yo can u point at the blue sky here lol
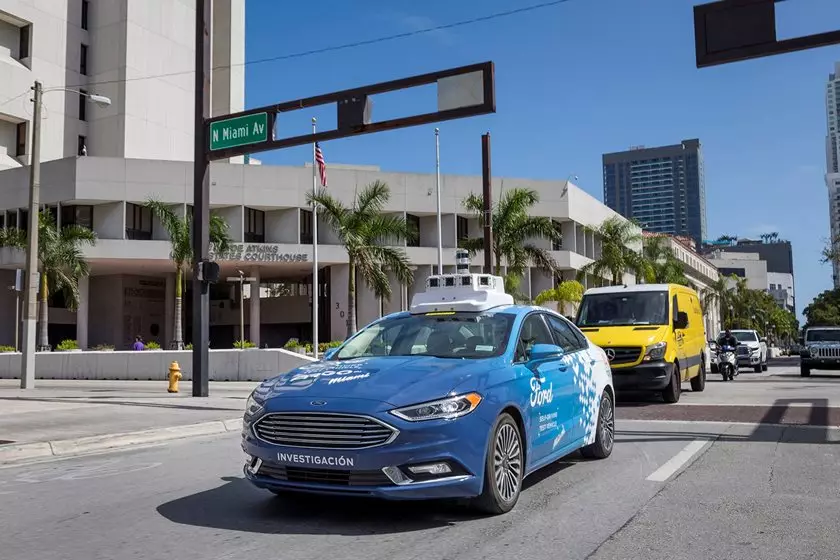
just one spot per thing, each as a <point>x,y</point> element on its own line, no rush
<point>574,81</point>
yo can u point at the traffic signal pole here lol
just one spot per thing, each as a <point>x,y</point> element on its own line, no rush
<point>201,203</point>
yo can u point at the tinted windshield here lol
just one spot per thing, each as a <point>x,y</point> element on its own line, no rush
<point>748,336</point>
<point>626,308</point>
<point>449,335</point>
<point>831,335</point>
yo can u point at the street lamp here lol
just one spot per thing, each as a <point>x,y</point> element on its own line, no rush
<point>241,279</point>
<point>30,302</point>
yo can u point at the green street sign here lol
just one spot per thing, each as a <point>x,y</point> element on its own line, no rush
<point>239,131</point>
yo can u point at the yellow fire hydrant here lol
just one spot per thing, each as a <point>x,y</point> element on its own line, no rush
<point>174,377</point>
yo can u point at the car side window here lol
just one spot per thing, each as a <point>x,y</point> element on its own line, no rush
<point>533,331</point>
<point>564,334</point>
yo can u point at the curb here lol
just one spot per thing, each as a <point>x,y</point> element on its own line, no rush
<point>13,453</point>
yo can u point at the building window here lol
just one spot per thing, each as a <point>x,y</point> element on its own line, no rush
<point>462,228</point>
<point>83,69</point>
<point>11,219</point>
<point>23,47</point>
<point>21,139</point>
<point>82,105</point>
<point>23,220</point>
<point>413,223</point>
<point>306,227</point>
<point>85,7</point>
<point>78,216</point>
<point>82,147</point>
<point>138,222</point>
<point>254,226</point>
<point>557,245</point>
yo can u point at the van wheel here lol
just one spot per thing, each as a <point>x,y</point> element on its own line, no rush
<point>671,393</point>
<point>698,383</point>
<point>504,467</point>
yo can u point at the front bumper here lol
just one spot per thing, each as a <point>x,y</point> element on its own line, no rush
<point>820,363</point>
<point>652,376</point>
<point>380,472</point>
<point>749,360</point>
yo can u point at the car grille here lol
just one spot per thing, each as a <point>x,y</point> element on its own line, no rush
<point>743,350</point>
<point>324,476</point>
<point>825,352</point>
<point>624,354</point>
<point>323,430</point>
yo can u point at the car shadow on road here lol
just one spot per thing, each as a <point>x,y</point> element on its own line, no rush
<point>239,506</point>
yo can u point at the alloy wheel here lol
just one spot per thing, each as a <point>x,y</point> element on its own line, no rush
<point>507,462</point>
<point>607,422</point>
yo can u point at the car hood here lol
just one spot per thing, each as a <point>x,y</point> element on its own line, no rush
<point>632,335</point>
<point>396,380</point>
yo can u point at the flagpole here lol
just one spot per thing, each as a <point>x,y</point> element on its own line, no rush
<point>437,188</point>
<point>316,289</point>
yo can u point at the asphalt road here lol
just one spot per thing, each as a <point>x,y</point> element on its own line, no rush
<point>672,490</point>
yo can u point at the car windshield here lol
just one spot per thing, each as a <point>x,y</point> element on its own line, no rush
<point>745,336</point>
<point>443,335</point>
<point>625,308</point>
<point>827,335</point>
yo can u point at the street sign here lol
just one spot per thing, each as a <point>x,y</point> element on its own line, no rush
<point>239,131</point>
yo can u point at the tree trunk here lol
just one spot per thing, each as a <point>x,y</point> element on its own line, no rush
<point>43,315</point>
<point>351,298</point>
<point>178,342</point>
<point>498,270</point>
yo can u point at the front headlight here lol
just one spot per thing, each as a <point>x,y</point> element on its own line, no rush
<point>655,351</point>
<point>253,406</point>
<point>444,409</point>
<point>755,350</point>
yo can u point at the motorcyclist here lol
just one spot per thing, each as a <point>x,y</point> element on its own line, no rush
<point>726,339</point>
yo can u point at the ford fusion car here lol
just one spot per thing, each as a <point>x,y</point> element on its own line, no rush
<point>463,396</point>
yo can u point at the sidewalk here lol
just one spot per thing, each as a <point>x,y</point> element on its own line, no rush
<point>70,417</point>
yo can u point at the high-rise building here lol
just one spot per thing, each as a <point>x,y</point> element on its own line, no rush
<point>832,159</point>
<point>662,188</point>
<point>114,49</point>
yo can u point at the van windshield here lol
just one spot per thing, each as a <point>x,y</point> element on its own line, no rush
<point>624,308</point>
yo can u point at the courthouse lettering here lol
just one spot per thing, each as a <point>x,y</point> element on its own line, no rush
<point>257,252</point>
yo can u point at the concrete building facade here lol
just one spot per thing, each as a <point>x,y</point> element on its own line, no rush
<point>111,48</point>
<point>131,289</point>
<point>664,188</point>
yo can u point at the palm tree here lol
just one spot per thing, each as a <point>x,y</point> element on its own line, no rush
<point>179,229</point>
<point>363,229</point>
<point>61,262</point>
<point>568,292</point>
<point>660,264</point>
<point>513,231</point>
<point>618,237</point>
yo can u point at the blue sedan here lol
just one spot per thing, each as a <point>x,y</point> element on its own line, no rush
<point>462,396</point>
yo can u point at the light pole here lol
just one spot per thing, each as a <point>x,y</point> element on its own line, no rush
<point>437,189</point>
<point>241,279</point>
<point>30,291</point>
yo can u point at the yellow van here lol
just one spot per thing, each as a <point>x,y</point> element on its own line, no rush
<point>654,336</point>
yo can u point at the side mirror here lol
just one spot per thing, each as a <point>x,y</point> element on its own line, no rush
<point>544,352</point>
<point>330,353</point>
<point>681,320</point>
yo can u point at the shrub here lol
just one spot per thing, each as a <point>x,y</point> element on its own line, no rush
<point>7,349</point>
<point>67,345</point>
<point>242,344</point>
<point>152,345</point>
<point>291,344</point>
<point>188,346</point>
<point>103,347</point>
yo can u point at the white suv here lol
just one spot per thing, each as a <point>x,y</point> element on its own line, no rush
<point>752,349</point>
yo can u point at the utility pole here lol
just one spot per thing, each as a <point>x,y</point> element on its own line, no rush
<point>437,190</point>
<point>201,203</point>
<point>488,203</point>
<point>30,293</point>
<point>242,279</point>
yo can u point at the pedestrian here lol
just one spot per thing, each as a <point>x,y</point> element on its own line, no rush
<point>138,343</point>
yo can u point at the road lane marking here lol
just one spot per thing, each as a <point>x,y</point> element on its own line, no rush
<point>676,462</point>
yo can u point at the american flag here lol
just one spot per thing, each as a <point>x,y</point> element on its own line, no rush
<point>322,166</point>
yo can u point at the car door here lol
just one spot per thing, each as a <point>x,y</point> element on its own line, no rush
<point>550,387</point>
<point>580,363</point>
<point>692,348</point>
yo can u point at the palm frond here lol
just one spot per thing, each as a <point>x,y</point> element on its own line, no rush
<point>373,198</point>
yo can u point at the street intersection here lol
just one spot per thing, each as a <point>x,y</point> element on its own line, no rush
<point>743,470</point>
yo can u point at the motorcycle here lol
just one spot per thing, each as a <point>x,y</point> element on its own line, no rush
<point>727,362</point>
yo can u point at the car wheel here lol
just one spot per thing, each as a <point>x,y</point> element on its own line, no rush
<point>671,393</point>
<point>759,368</point>
<point>764,366</point>
<point>602,447</point>
<point>504,468</point>
<point>698,383</point>
<point>804,371</point>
